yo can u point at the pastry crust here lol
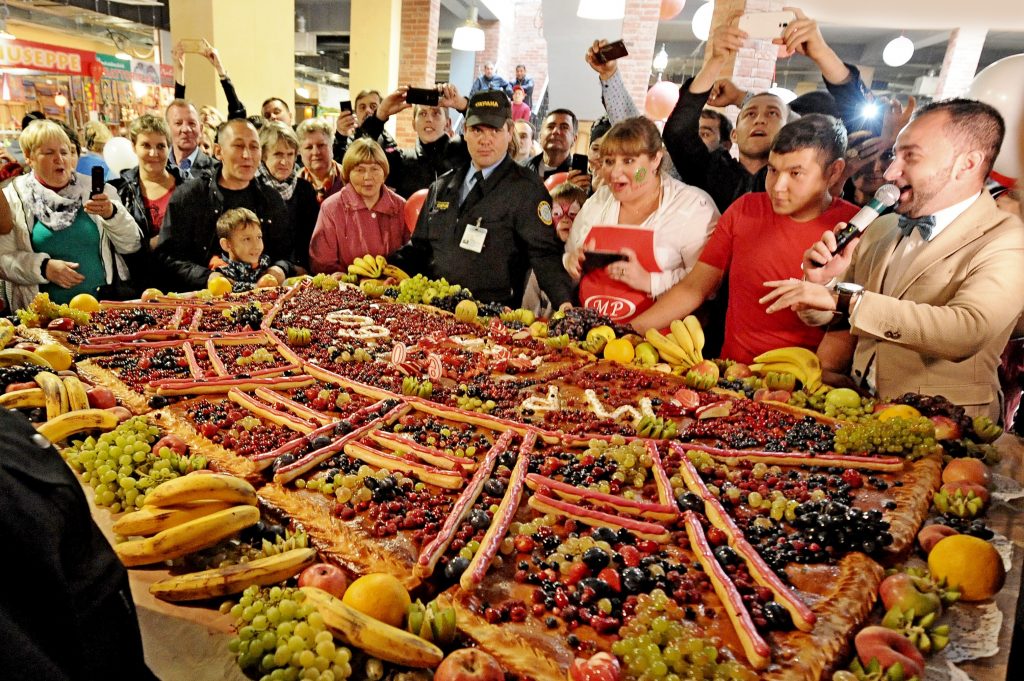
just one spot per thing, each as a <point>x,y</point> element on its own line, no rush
<point>136,403</point>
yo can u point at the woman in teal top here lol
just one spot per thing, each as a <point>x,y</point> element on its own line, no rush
<point>64,241</point>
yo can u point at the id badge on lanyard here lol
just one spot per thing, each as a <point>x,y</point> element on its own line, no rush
<point>473,238</point>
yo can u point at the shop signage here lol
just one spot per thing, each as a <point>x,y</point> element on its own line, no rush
<point>114,68</point>
<point>166,75</point>
<point>24,54</point>
<point>145,72</point>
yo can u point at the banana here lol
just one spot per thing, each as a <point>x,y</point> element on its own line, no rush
<point>152,519</point>
<point>77,397</point>
<point>667,348</point>
<point>373,636</point>
<point>233,578</point>
<point>395,272</point>
<point>55,393</point>
<point>29,398</point>
<point>800,362</point>
<point>682,338</point>
<point>202,487</point>
<point>6,332</point>
<point>12,356</point>
<point>696,333</point>
<point>381,262</point>
<point>188,537</point>
<point>66,425</point>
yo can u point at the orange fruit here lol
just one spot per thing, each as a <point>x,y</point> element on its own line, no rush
<point>381,596</point>
<point>619,350</point>
<point>898,411</point>
<point>970,564</point>
<point>58,356</point>
<point>220,286</point>
<point>85,303</point>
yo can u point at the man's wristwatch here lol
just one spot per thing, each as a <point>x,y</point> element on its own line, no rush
<point>847,294</point>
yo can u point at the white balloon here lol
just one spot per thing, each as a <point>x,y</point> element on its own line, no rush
<point>899,51</point>
<point>701,23</point>
<point>119,155</point>
<point>999,86</point>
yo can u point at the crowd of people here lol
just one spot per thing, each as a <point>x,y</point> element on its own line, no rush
<point>734,223</point>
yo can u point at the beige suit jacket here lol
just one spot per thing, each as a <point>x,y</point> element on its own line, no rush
<point>949,315</point>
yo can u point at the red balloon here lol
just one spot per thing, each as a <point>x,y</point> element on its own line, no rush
<point>556,179</point>
<point>661,99</point>
<point>413,206</point>
<point>670,9</point>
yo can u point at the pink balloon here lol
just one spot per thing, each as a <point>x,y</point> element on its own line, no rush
<point>553,181</point>
<point>661,99</point>
<point>413,206</point>
<point>670,9</point>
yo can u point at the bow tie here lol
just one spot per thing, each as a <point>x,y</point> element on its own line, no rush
<point>926,224</point>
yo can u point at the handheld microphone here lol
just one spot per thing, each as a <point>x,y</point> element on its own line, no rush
<point>884,199</point>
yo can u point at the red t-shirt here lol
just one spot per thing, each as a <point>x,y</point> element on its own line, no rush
<point>157,210</point>
<point>764,247</point>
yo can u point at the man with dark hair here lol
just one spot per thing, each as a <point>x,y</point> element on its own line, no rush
<point>525,82</point>
<point>557,138</point>
<point>931,293</point>
<point>715,129</point>
<point>761,237</point>
<point>188,236</point>
<point>489,80</point>
<point>183,120</point>
<point>352,125</point>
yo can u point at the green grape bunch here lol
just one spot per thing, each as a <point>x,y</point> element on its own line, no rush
<point>910,437</point>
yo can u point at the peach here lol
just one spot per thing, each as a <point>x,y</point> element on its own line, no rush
<point>737,371</point>
<point>889,647</point>
<point>930,535</point>
<point>971,470</point>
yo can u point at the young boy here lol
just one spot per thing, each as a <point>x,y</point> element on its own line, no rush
<point>566,201</point>
<point>520,110</point>
<point>242,260</point>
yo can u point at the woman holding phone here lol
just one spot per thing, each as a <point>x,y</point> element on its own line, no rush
<point>650,225</point>
<point>66,239</point>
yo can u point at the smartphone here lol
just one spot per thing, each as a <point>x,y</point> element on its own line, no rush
<point>193,45</point>
<point>615,50</point>
<point>345,106</point>
<point>597,260</point>
<point>98,182</point>
<point>427,96</point>
<point>766,25</point>
<point>579,162</point>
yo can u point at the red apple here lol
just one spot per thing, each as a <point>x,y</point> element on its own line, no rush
<point>930,535</point>
<point>600,667</point>
<point>900,590</point>
<point>469,664</point>
<point>706,368</point>
<point>761,394</point>
<point>715,410</point>
<point>737,371</point>
<point>330,578</point>
<point>101,398</point>
<point>172,442</point>
<point>969,470</point>
<point>946,428</point>
<point>28,385</point>
<point>688,399</point>
<point>61,324</point>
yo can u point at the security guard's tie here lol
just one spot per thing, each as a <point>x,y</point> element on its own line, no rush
<point>925,224</point>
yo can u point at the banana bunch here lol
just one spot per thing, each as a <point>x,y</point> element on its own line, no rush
<point>6,332</point>
<point>414,388</point>
<point>683,346</point>
<point>957,503</point>
<point>372,636</point>
<point>394,272</point>
<point>368,266</point>
<point>13,356</point>
<point>800,362</point>
<point>233,579</point>
<point>202,486</point>
<point>27,398</point>
<point>64,426</point>
<point>922,631</point>
<point>150,520</point>
<point>187,537</point>
<point>873,671</point>
<point>656,427</point>
<point>431,622</point>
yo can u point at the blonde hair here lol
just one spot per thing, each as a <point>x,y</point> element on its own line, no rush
<point>363,150</point>
<point>148,123</point>
<point>311,125</point>
<point>273,132</point>
<point>39,133</point>
<point>96,135</point>
<point>233,219</point>
<point>633,137</point>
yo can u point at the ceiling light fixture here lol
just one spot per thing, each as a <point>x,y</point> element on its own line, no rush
<point>660,62</point>
<point>5,14</point>
<point>899,51</point>
<point>469,37</point>
<point>701,24</point>
<point>601,10</point>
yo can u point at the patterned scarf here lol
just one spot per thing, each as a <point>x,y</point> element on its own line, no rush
<point>284,187</point>
<point>55,209</point>
<point>243,275</point>
<point>323,187</point>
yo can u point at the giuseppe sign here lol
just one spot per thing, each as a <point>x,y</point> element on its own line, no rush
<point>611,306</point>
<point>39,57</point>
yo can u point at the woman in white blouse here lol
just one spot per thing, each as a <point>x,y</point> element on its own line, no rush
<point>658,223</point>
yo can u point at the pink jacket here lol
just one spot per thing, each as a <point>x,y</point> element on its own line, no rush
<point>347,229</point>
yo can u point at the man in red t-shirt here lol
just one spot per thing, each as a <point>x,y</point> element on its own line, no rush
<point>762,237</point>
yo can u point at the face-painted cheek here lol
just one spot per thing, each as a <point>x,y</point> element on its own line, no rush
<point>640,175</point>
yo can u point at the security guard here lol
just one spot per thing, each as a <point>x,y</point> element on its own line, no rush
<point>486,224</point>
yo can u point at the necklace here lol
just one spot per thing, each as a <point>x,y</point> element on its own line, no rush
<point>637,212</point>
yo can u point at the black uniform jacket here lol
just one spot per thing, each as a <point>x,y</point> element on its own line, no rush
<point>66,611</point>
<point>188,237</point>
<point>515,209</point>
<point>129,190</point>
<point>535,163</point>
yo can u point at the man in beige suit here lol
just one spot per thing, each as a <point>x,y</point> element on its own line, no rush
<point>931,294</point>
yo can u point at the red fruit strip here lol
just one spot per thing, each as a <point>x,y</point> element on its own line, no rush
<point>432,552</point>
<point>733,456</point>
<point>286,474</point>
<point>215,360</point>
<point>267,458</point>
<point>433,456</point>
<point>268,413</point>
<point>196,318</point>
<point>90,348</point>
<point>380,459</point>
<point>757,650</point>
<point>299,410</point>
<point>482,420</point>
<point>803,617</point>
<point>188,386</point>
<point>477,568</point>
<point>582,441</point>
<point>145,334</point>
<point>659,511</point>
<point>355,386</point>
<point>285,351</point>
<point>193,365</point>
<point>661,480</point>
<point>545,504</point>
<point>268,318</point>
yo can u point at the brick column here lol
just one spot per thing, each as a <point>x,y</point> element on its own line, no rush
<point>639,30</point>
<point>961,61</point>
<point>754,65</point>
<point>418,66</point>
